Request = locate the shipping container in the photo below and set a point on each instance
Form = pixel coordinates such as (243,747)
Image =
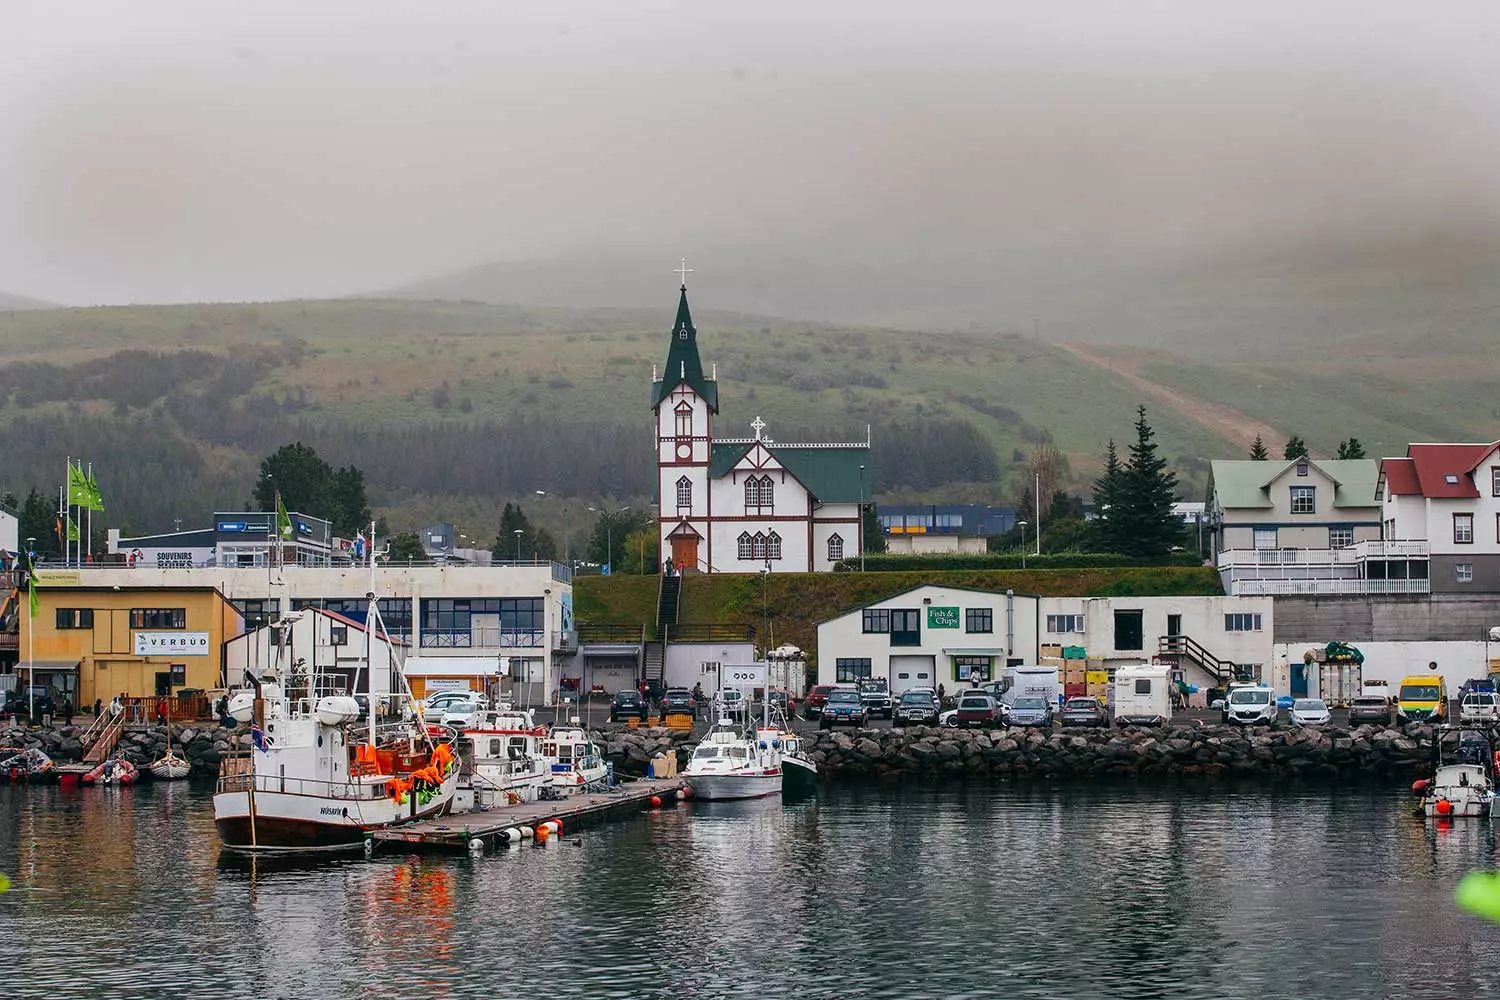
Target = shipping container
(1339,682)
(1049,649)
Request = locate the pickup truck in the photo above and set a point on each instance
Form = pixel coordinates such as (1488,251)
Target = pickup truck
(877,698)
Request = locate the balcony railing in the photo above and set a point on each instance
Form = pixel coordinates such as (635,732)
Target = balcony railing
(1282,588)
(486,638)
(1400,548)
(1347,556)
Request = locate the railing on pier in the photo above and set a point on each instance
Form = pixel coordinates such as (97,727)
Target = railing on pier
(104,740)
(710,632)
(179,708)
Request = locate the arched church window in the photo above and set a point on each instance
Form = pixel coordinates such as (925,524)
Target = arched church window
(773,546)
(684,413)
(767,492)
(752,491)
(685,493)
(744,545)
(835,547)
(758,547)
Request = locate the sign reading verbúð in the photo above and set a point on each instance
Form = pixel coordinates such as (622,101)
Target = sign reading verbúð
(171,644)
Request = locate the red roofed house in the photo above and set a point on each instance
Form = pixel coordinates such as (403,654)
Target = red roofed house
(1447,496)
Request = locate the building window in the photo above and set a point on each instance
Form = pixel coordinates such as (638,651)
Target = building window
(850,670)
(906,627)
(1265,538)
(758,547)
(1340,538)
(1463,572)
(979,619)
(836,546)
(684,494)
(75,617)
(684,414)
(448,622)
(744,552)
(338,635)
(158,618)
(760,492)
(1064,623)
(1495,480)
(975,669)
(179,674)
(773,546)
(1463,529)
(1242,622)
(1301,468)
(877,620)
(395,612)
(1304,500)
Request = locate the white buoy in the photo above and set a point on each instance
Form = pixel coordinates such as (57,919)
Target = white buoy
(527,833)
(511,835)
(369,847)
(476,845)
(552,828)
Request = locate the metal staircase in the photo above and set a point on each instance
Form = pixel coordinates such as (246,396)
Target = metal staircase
(668,603)
(1184,651)
(102,736)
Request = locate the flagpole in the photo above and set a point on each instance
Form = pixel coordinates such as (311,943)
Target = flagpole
(89,534)
(30,637)
(63,530)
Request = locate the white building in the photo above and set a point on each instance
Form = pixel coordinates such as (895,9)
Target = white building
(10,530)
(331,645)
(1210,638)
(927,636)
(1304,526)
(1441,504)
(522,612)
(738,505)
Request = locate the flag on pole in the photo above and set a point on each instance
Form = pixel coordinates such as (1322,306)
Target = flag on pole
(78,488)
(72,530)
(96,501)
(31,581)
(604,570)
(283,522)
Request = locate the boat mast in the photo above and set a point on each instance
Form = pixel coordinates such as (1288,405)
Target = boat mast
(372,615)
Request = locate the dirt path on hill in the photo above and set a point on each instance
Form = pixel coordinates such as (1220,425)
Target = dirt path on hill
(1225,421)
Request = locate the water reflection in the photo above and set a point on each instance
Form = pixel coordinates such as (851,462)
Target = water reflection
(971,892)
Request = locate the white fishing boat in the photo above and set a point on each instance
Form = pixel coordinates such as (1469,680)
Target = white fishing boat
(735,764)
(575,762)
(315,780)
(170,766)
(1463,780)
(504,761)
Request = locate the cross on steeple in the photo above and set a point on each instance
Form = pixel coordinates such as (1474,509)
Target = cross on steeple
(757,425)
(684,271)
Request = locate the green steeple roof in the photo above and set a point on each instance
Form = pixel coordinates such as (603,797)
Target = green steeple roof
(683,363)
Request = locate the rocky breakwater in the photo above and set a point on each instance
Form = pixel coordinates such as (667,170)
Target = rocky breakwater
(631,750)
(202,746)
(1329,754)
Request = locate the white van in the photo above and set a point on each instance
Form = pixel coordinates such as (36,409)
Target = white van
(1251,705)
(1030,682)
(1142,694)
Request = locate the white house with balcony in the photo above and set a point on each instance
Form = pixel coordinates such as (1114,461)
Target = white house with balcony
(333,647)
(1445,500)
(1306,526)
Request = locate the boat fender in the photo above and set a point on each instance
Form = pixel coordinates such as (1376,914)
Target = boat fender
(686,791)
(1444,807)
(527,833)
(556,824)
(542,833)
(681,795)
(656,802)
(1419,787)
(511,835)
(476,845)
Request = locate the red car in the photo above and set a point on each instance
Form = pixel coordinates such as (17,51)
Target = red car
(812,707)
(975,709)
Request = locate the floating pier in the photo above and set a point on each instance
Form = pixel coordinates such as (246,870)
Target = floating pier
(510,824)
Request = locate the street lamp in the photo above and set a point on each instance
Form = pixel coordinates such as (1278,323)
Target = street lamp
(765,614)
(1022,526)
(30,633)
(567,536)
(861,518)
(518,532)
(609,535)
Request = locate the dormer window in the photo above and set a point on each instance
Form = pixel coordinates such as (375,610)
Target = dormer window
(760,493)
(684,412)
(1451,479)
(1301,468)
(682,334)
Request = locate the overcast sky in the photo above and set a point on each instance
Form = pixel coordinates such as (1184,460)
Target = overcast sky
(169,150)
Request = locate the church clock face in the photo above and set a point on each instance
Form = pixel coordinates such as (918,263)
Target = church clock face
(684,450)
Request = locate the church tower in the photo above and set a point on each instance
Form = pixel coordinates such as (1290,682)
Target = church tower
(684,401)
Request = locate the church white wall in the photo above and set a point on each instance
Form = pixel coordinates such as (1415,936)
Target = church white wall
(793,546)
(829,523)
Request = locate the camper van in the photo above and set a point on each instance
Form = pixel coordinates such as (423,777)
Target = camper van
(1030,682)
(1142,695)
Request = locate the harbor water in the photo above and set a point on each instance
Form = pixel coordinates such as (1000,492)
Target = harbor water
(980,891)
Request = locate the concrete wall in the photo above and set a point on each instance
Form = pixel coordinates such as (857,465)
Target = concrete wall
(685,661)
(902,545)
(1391,661)
(1484,573)
(1394,618)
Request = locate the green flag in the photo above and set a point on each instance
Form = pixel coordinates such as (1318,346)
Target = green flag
(96,501)
(283,522)
(78,488)
(72,530)
(31,585)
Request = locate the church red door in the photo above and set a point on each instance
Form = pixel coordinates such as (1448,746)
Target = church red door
(685,552)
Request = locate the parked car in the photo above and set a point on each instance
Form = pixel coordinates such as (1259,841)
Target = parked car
(435,706)
(812,707)
(627,704)
(23,700)
(1309,712)
(1084,712)
(1031,712)
(977,709)
(843,707)
(679,701)
(917,708)
(1479,707)
(462,712)
(876,695)
(733,700)
(1371,708)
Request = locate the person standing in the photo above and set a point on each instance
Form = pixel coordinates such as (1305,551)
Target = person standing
(98,707)
(67,711)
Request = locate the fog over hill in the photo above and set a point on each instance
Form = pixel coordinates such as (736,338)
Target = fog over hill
(1154,173)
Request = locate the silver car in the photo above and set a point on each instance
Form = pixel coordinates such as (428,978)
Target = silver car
(1030,712)
(438,705)
(1309,712)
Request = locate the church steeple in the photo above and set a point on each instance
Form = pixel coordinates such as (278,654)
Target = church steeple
(683,363)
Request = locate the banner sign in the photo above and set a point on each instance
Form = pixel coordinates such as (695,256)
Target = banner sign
(58,578)
(744,674)
(942,617)
(171,644)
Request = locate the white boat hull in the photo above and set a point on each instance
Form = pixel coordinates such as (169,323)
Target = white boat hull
(734,784)
(171,768)
(292,821)
(1459,791)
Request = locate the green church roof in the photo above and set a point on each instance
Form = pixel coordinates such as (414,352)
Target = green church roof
(683,363)
(831,473)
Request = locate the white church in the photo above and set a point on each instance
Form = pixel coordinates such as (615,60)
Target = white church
(743,505)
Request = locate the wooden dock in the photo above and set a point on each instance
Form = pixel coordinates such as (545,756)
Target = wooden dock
(458,832)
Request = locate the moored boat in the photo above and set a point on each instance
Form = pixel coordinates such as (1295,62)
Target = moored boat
(170,766)
(1463,780)
(506,765)
(732,764)
(799,774)
(26,766)
(114,771)
(575,762)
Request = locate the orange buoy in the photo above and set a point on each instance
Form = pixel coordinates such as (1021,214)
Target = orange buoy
(557,823)
(1443,807)
(542,833)
(656,802)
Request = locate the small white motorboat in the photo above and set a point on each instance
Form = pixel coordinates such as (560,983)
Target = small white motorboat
(729,764)
(577,764)
(169,767)
(1463,780)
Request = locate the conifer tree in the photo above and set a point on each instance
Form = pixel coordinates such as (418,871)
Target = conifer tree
(1147,526)
(1107,497)
(1351,449)
(1258,450)
(1295,448)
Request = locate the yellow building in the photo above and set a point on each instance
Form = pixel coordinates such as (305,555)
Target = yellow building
(97,642)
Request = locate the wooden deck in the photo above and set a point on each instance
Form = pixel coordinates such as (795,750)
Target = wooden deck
(455,833)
